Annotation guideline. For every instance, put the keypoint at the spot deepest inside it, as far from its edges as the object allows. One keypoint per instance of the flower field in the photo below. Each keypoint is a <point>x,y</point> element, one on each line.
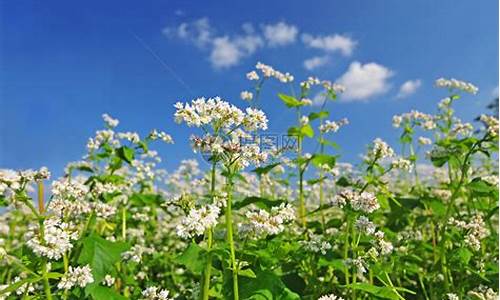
<point>247,217</point>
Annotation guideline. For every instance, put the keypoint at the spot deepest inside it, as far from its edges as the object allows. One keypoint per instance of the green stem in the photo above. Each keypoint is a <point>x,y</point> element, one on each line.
<point>124,223</point>
<point>41,209</point>
<point>230,241</point>
<point>208,266</point>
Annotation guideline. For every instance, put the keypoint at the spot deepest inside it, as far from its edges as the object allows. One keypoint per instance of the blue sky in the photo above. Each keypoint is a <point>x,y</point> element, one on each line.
<point>64,63</point>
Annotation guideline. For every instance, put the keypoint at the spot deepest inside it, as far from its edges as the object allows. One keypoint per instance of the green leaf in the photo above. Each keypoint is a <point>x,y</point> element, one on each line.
<point>125,153</point>
<point>263,203</point>
<point>462,256</point>
<point>307,130</point>
<point>378,291</point>
<point>265,286</point>
<point>323,159</point>
<point>247,273</point>
<point>193,258</point>
<point>289,100</point>
<point>101,255</point>
<point>319,115</point>
<point>101,292</point>
<point>266,169</point>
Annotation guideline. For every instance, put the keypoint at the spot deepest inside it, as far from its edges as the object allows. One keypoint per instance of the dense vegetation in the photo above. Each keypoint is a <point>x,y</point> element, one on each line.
<point>265,219</point>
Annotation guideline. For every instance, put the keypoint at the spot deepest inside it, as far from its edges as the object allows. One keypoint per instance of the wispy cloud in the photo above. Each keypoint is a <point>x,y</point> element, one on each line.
<point>363,81</point>
<point>280,34</point>
<point>330,43</point>
<point>227,52</point>
<point>316,62</point>
<point>408,88</point>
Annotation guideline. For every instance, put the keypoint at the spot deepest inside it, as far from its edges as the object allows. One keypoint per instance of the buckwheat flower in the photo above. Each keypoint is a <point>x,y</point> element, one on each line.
<point>304,120</point>
<point>330,126</point>
<point>265,223</point>
<point>309,83</point>
<point>402,164</point>
<point>491,124</point>
<point>198,221</point>
<point>246,95</point>
<point>109,280</point>
<point>154,293</point>
<point>155,135</point>
<point>42,174</point>
<point>136,252</point>
<point>456,84</point>
<point>365,225</point>
<point>380,149</point>
<point>452,296</point>
<point>462,128</point>
<point>252,75</point>
<point>442,194</point>
<point>491,179</point>
<point>266,70</point>
<point>25,288</point>
<point>306,101</point>
<point>366,202</point>
<point>385,247</point>
<point>424,141</point>
<point>56,239</point>
<point>396,121</point>
<point>110,122</point>
<point>333,87</point>
<point>358,263</point>
<point>104,210</point>
<point>129,136</point>
<point>76,276</point>
<point>484,293</point>
<point>316,244</point>
<point>330,297</point>
<point>476,230</point>
<point>254,119</point>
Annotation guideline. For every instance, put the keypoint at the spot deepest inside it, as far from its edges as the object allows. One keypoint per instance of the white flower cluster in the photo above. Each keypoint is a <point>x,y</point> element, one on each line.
<point>414,117</point>
<point>198,220</point>
<point>218,113</point>
<point>424,141</point>
<point>475,231</point>
<point>401,164</point>
<point>76,276</point>
<point>109,280</point>
<point>330,297</point>
<point>268,71</point>
<point>491,124</point>
<point>246,95</point>
<point>452,296</point>
<point>154,293</point>
<point>155,135</point>
<point>132,137</point>
<point>252,75</point>
<point>316,244</point>
<point>364,201</point>
<point>483,292</point>
<point>363,224</point>
<point>460,128</point>
<point>265,223</point>
<point>379,149</point>
<point>491,179</point>
<point>110,122</point>
<point>11,180</point>
<point>332,126</point>
<point>56,238</point>
<point>359,263</point>
<point>456,84</point>
<point>136,252</point>
<point>101,137</point>
<point>333,87</point>
<point>71,189</point>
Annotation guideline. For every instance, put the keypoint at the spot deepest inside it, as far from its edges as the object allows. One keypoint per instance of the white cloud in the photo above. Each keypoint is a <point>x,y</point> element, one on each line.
<point>494,92</point>
<point>199,32</point>
<point>365,81</point>
<point>316,62</point>
<point>228,52</point>
<point>330,43</point>
<point>280,34</point>
<point>408,87</point>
